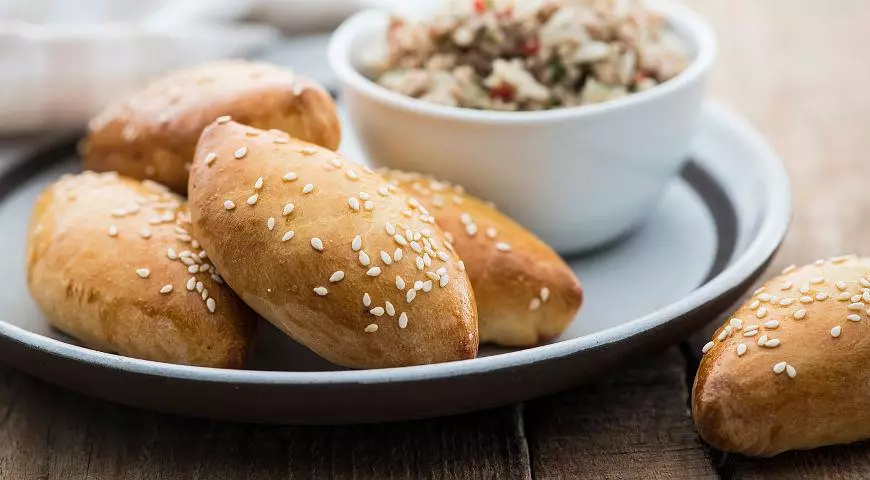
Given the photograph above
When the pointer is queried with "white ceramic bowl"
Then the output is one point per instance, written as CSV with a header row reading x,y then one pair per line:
x,y
579,177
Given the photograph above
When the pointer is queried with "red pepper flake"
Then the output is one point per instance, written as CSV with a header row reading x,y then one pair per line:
x,y
531,47
503,91
480,6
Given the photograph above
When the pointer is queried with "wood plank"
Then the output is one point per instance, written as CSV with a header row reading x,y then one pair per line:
x,y
49,433
632,424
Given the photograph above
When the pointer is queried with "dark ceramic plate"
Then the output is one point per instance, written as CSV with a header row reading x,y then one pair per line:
x,y
712,235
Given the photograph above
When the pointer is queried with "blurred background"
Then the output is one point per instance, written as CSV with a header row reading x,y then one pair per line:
x,y
793,67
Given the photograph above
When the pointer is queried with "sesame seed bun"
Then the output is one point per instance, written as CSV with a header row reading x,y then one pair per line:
x,y
328,251
789,369
153,133
99,267
525,292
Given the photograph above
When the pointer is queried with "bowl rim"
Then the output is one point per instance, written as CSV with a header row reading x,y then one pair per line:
x,y
777,206
698,34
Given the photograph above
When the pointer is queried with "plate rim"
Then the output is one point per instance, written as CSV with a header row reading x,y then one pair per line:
x,y
771,232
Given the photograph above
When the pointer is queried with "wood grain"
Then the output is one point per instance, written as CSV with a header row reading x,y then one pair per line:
x,y
49,433
634,423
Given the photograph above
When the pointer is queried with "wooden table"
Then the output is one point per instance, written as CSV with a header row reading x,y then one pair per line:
x,y
796,68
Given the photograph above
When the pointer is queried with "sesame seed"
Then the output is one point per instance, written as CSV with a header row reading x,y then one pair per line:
x,y
786,286
288,209
199,286
843,297
866,296
204,294
427,260
385,257
750,333
799,314
384,191
427,286
819,262
779,368
762,340
371,328
289,176
400,240
308,188
253,199
412,293
535,304
841,285
804,289
855,298
309,150
374,271
397,255
418,284
864,282
240,153
853,317
321,291
471,229
806,299
391,230
166,289
433,276
224,119
391,310
772,343
191,284
377,311
764,297
786,301
337,276
416,247
443,256
356,244
193,269
836,331
420,264
367,299
317,244
210,158
287,236
229,205
352,175
369,205
856,306
491,232
465,218
761,312
817,280
143,272
460,265
210,305
364,259
741,349
707,347
545,292
790,371
353,203
258,184
771,324
335,163
119,213
821,296
364,196
113,231
403,320
270,223
722,335
170,254
400,282
755,304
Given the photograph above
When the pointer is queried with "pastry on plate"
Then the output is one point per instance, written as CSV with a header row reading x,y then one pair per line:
x,y
111,262
329,251
788,370
525,292
152,134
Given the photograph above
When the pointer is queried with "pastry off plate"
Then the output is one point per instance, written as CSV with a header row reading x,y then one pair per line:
x,y
711,236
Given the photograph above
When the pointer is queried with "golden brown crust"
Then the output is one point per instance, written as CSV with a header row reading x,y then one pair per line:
x,y
153,133
90,235
811,388
278,278
525,292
